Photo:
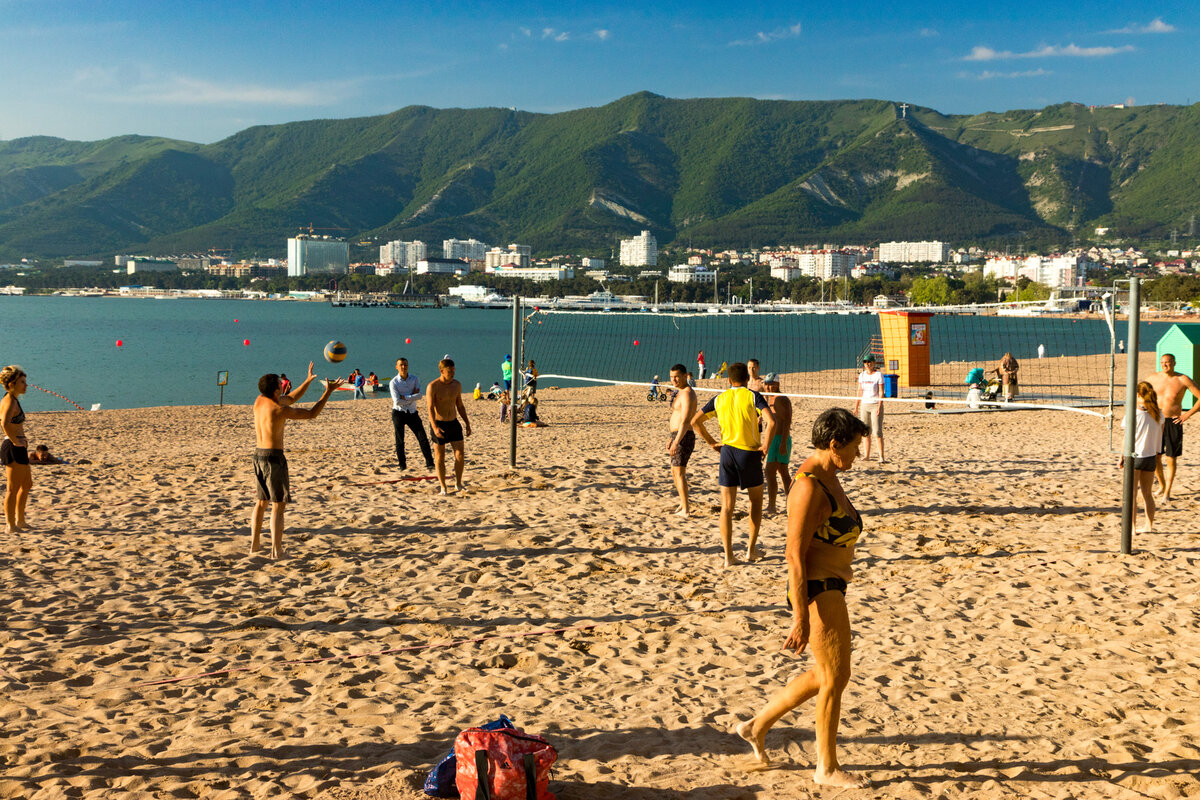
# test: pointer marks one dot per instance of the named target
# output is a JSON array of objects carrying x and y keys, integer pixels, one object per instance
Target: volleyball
[{"x": 335, "y": 352}]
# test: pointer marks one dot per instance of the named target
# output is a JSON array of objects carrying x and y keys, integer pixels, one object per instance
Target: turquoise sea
[{"x": 173, "y": 349}]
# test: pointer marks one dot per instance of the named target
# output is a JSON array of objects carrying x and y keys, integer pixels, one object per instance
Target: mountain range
[{"x": 728, "y": 172}]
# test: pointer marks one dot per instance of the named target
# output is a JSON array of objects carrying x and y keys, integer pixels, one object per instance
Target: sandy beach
[{"x": 1003, "y": 646}]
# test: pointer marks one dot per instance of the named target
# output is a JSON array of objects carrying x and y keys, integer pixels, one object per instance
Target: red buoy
[
  {"x": 246, "y": 342},
  {"x": 119, "y": 343},
  {"x": 408, "y": 341}
]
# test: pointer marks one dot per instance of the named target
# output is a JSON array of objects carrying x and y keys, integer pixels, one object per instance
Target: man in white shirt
[
  {"x": 869, "y": 405},
  {"x": 405, "y": 391}
]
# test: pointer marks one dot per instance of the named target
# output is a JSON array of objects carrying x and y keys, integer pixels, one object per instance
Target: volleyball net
[{"x": 927, "y": 355}]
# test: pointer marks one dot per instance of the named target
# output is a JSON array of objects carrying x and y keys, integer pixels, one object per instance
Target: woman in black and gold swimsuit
[
  {"x": 14, "y": 449},
  {"x": 822, "y": 530}
]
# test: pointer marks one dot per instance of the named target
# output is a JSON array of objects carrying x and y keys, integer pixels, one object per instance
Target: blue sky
[{"x": 89, "y": 69}]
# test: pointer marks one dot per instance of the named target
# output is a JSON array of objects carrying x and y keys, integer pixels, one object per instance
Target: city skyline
[{"x": 201, "y": 72}]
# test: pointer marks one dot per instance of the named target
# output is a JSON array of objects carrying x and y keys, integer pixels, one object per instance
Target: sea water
[{"x": 173, "y": 349}]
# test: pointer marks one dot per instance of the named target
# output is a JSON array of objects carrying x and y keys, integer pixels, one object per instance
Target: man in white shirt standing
[
  {"x": 869, "y": 405},
  {"x": 405, "y": 391}
]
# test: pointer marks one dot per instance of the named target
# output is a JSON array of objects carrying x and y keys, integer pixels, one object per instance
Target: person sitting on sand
[
  {"x": 532, "y": 420},
  {"x": 41, "y": 455},
  {"x": 822, "y": 530},
  {"x": 1147, "y": 442}
]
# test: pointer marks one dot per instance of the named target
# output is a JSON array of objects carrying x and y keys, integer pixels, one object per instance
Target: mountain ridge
[{"x": 713, "y": 171}]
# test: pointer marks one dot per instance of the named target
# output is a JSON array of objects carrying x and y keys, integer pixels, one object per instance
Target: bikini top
[
  {"x": 840, "y": 528},
  {"x": 19, "y": 417}
]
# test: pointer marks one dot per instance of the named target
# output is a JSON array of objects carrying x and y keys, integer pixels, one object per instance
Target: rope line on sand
[
  {"x": 389, "y": 651},
  {"x": 915, "y": 400},
  {"x": 56, "y": 394}
]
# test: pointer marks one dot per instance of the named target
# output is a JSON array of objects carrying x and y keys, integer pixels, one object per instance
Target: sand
[{"x": 1003, "y": 646}]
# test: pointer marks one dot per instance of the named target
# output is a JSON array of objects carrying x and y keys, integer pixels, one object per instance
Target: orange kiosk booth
[{"x": 906, "y": 337}]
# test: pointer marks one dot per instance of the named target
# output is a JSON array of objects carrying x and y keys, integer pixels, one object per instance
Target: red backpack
[{"x": 503, "y": 764}]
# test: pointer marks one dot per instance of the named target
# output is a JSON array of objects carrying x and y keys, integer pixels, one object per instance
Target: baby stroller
[{"x": 980, "y": 389}]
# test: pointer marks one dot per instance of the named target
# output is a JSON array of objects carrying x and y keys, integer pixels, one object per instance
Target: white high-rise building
[
  {"x": 466, "y": 249},
  {"x": 826, "y": 264},
  {"x": 403, "y": 254},
  {"x": 317, "y": 254},
  {"x": 1056, "y": 272},
  {"x": 914, "y": 252},
  {"x": 640, "y": 251}
]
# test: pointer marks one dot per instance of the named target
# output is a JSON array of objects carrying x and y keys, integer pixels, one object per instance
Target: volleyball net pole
[
  {"x": 512, "y": 391},
  {"x": 1131, "y": 380}
]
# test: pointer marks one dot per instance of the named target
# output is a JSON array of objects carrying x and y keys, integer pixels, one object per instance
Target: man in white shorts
[{"x": 869, "y": 405}]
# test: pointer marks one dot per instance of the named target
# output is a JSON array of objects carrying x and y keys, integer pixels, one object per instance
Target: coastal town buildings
[
  {"x": 540, "y": 274},
  {"x": 442, "y": 266},
  {"x": 914, "y": 252},
  {"x": 640, "y": 251},
  {"x": 403, "y": 254},
  {"x": 518, "y": 255},
  {"x": 689, "y": 273},
  {"x": 820, "y": 264},
  {"x": 309, "y": 255},
  {"x": 466, "y": 249},
  {"x": 1055, "y": 271},
  {"x": 135, "y": 265}
]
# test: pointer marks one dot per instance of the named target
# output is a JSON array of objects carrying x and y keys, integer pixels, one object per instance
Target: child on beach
[{"x": 1147, "y": 442}]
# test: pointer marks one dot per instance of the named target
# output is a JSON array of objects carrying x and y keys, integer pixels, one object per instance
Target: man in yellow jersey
[{"x": 737, "y": 410}]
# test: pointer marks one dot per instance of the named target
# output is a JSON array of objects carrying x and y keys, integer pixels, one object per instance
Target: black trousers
[{"x": 399, "y": 420}]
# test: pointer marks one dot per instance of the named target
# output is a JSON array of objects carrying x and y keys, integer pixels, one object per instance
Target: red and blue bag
[
  {"x": 504, "y": 764},
  {"x": 440, "y": 782}
]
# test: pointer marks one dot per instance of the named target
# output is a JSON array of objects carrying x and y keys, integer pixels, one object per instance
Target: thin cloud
[
  {"x": 988, "y": 75},
  {"x": 131, "y": 85},
  {"x": 601, "y": 34},
  {"x": 1155, "y": 25},
  {"x": 555, "y": 35},
  {"x": 766, "y": 37},
  {"x": 928, "y": 33},
  {"x": 1049, "y": 51}
]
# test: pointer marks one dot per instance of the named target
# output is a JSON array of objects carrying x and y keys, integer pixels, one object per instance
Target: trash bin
[{"x": 891, "y": 385}]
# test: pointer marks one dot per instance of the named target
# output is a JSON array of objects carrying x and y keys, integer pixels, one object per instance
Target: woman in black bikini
[
  {"x": 14, "y": 449},
  {"x": 822, "y": 530}
]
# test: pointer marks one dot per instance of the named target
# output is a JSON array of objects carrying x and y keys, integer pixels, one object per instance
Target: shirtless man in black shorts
[
  {"x": 683, "y": 438},
  {"x": 1171, "y": 387},
  {"x": 444, "y": 395},
  {"x": 272, "y": 410}
]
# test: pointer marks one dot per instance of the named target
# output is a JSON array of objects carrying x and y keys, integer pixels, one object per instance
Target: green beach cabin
[{"x": 1183, "y": 342}]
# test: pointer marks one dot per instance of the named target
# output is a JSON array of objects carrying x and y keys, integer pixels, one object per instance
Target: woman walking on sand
[
  {"x": 821, "y": 532},
  {"x": 14, "y": 449}
]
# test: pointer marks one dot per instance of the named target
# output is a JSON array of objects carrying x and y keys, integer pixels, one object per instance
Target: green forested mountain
[{"x": 735, "y": 172}]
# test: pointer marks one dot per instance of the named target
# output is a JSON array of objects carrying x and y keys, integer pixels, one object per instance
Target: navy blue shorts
[{"x": 740, "y": 468}]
